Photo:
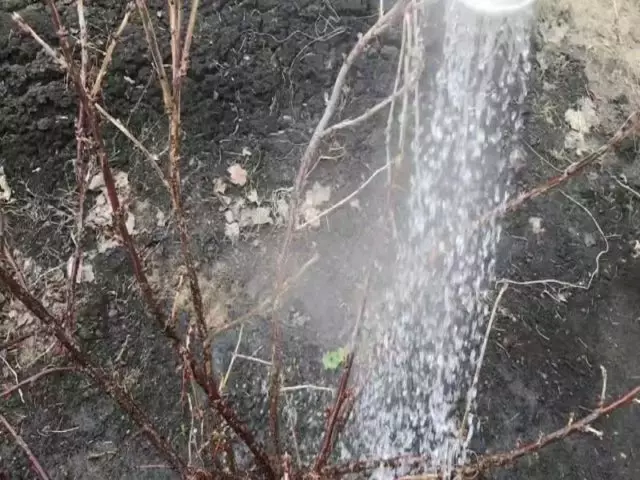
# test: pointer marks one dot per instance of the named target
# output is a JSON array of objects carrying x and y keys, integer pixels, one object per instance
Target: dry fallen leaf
[
  {"x": 96, "y": 182},
  {"x": 232, "y": 231},
  {"x": 255, "y": 216},
  {"x": 311, "y": 216},
  {"x": 237, "y": 175},
  {"x": 219, "y": 186},
  {"x": 317, "y": 195},
  {"x": 5, "y": 189},
  {"x": 252, "y": 196}
]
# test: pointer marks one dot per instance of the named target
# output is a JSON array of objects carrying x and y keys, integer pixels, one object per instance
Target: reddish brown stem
[
  {"x": 13, "y": 343},
  {"x": 33, "y": 378},
  {"x": 343, "y": 404},
  {"x": 485, "y": 463},
  {"x": 99, "y": 376},
  {"x": 18, "y": 439},
  {"x": 331, "y": 432},
  {"x": 502, "y": 459}
]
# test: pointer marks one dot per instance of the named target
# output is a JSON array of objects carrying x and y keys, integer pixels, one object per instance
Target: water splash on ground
[{"x": 434, "y": 313}]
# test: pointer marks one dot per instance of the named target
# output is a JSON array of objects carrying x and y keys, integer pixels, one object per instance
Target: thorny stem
[
  {"x": 483, "y": 464},
  {"x": 99, "y": 376},
  {"x": 179, "y": 56},
  {"x": 93, "y": 126},
  {"x": 8, "y": 391},
  {"x": 337, "y": 417},
  {"x": 18, "y": 439},
  {"x": 306, "y": 161}
]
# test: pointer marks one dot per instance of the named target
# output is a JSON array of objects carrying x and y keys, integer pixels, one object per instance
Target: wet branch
[
  {"x": 307, "y": 160},
  {"x": 628, "y": 129},
  {"x": 486, "y": 463}
]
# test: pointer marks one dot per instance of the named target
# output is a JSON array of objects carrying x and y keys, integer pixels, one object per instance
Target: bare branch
[
  {"x": 108, "y": 56},
  {"x": 153, "y": 159},
  {"x": 8, "y": 391},
  {"x": 99, "y": 376},
  {"x": 18, "y": 439}
]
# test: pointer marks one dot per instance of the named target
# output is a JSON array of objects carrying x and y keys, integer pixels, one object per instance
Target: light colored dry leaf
[
  {"x": 311, "y": 216},
  {"x": 122, "y": 181},
  {"x": 252, "y": 196},
  {"x": 219, "y": 186},
  {"x": 536, "y": 225},
  {"x": 317, "y": 195},
  {"x": 237, "y": 175},
  {"x": 161, "y": 219},
  {"x": 246, "y": 152},
  {"x": 100, "y": 214},
  {"x": 131, "y": 223},
  {"x": 105, "y": 244},
  {"x": 232, "y": 231},
  {"x": 96, "y": 183},
  {"x": 228, "y": 216},
  {"x": 255, "y": 216},
  {"x": 5, "y": 189},
  {"x": 282, "y": 211}
]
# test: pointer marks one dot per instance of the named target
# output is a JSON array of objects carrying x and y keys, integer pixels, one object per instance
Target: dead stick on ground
[
  {"x": 483, "y": 349},
  {"x": 18, "y": 439}
]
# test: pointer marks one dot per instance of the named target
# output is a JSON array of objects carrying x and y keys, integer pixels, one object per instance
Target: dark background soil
[{"x": 259, "y": 73}]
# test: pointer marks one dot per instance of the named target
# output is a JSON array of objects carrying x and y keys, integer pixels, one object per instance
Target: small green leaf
[{"x": 334, "y": 358}]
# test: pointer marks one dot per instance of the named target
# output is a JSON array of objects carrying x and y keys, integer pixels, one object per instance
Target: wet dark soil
[{"x": 259, "y": 74}]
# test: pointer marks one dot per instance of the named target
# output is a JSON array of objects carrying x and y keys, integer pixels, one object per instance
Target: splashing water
[{"x": 432, "y": 321}]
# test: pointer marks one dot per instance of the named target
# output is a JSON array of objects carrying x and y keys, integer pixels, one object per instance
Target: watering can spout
[{"x": 497, "y": 7}]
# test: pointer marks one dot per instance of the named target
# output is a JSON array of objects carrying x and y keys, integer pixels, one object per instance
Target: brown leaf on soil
[{"x": 237, "y": 175}]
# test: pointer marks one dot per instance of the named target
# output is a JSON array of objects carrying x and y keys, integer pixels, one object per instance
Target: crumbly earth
[{"x": 259, "y": 75}]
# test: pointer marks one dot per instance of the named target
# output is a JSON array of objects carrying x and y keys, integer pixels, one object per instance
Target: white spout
[{"x": 497, "y": 7}]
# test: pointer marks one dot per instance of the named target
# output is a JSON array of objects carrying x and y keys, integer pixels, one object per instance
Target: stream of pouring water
[{"x": 435, "y": 311}]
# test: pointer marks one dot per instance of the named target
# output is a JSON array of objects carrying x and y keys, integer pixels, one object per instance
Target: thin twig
[
  {"x": 99, "y": 376},
  {"x": 45, "y": 46},
  {"x": 18, "y": 439},
  {"x": 629, "y": 128},
  {"x": 476, "y": 377},
  {"x": 154, "y": 49},
  {"x": 153, "y": 159},
  {"x": 108, "y": 56},
  {"x": 8, "y": 391},
  {"x": 603, "y": 392},
  {"x": 378, "y": 107},
  {"x": 346, "y": 199},
  {"x": 336, "y": 418},
  {"x": 483, "y": 464},
  {"x": 592, "y": 275}
]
